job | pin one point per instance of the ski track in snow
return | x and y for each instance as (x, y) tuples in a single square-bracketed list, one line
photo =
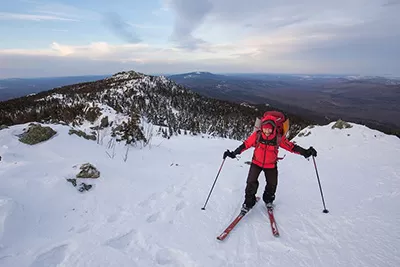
[(51, 258), (147, 216)]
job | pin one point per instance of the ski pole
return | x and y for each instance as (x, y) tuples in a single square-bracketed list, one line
[(203, 208), (320, 189)]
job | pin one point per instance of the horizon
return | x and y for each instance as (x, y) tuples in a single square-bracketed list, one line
[(73, 38), (203, 71)]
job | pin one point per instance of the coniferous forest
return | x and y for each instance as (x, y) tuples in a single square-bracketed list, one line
[(156, 99)]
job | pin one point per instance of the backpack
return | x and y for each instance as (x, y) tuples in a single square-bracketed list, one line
[(280, 119)]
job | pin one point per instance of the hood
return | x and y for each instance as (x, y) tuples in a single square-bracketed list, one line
[(268, 122)]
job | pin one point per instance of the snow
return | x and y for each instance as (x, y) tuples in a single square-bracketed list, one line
[(194, 74), (53, 96), (164, 80), (219, 86), (147, 211), (247, 105)]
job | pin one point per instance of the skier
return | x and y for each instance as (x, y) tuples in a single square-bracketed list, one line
[(266, 142)]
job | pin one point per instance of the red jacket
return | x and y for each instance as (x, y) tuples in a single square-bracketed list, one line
[(266, 151)]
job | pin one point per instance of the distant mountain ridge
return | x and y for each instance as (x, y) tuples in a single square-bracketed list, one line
[(16, 87), (156, 99), (369, 100), (267, 76), (198, 74), (318, 99)]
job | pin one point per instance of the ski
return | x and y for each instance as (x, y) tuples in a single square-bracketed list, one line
[(226, 232), (274, 228)]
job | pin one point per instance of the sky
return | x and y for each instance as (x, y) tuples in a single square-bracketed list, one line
[(59, 38)]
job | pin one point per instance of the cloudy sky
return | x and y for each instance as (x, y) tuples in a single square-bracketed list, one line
[(55, 38)]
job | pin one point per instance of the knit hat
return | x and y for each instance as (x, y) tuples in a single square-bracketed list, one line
[(267, 126)]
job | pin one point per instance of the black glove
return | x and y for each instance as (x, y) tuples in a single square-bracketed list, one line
[(312, 151), (305, 152), (230, 154)]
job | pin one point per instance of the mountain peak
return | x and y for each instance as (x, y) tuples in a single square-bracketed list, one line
[(154, 99), (131, 74), (196, 75)]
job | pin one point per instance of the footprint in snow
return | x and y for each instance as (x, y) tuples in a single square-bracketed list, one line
[(164, 257), (180, 193), (145, 203), (173, 257), (218, 259), (149, 203), (180, 206), (113, 218), (154, 217), (121, 242), (6, 260), (83, 229), (51, 258), (171, 189)]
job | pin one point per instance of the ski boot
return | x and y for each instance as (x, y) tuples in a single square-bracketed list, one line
[(269, 205), (245, 209)]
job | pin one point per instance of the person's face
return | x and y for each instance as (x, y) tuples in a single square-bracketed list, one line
[(267, 131)]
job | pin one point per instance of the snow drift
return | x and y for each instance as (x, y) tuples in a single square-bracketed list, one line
[(145, 208)]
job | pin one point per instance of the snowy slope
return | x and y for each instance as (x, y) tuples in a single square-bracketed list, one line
[(147, 211)]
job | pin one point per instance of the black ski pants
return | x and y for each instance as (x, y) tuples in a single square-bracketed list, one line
[(271, 176)]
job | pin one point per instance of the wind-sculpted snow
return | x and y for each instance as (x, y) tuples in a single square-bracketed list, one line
[(145, 210)]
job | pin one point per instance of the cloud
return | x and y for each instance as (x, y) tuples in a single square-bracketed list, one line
[(64, 10), (295, 20), (48, 66), (160, 11), (148, 26), (139, 52), (42, 11), (265, 36), (141, 57), (32, 17), (262, 18), (308, 48), (188, 16), (287, 29), (62, 50), (120, 27), (59, 30), (391, 3)]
